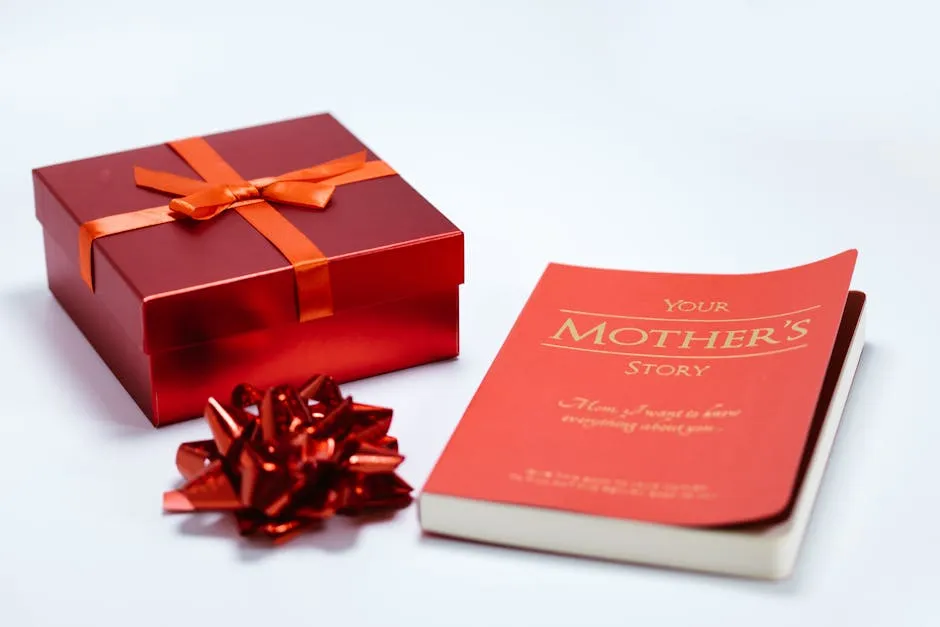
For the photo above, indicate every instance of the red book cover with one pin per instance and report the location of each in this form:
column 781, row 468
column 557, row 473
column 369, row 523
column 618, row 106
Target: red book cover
column 678, row 399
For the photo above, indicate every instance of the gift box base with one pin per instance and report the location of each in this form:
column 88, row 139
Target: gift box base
column 174, row 385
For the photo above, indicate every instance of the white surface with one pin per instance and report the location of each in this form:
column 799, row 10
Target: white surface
column 707, row 136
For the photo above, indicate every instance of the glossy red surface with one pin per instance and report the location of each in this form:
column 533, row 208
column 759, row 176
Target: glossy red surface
column 183, row 310
column 350, row 345
column 175, row 284
column 173, row 386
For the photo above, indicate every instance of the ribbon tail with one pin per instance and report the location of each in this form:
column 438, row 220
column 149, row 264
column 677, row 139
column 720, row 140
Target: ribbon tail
column 167, row 182
column 204, row 204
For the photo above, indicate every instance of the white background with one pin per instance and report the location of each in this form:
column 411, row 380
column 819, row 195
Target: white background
column 675, row 136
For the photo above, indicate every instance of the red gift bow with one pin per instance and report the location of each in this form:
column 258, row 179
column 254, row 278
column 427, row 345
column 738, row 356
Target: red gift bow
column 286, row 459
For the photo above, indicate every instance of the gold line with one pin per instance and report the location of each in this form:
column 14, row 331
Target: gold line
column 603, row 315
column 594, row 350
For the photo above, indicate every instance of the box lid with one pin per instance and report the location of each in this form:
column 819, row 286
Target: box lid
column 188, row 282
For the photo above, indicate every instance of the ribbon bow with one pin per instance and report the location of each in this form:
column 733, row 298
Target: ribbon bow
column 287, row 459
column 203, row 201
column 221, row 189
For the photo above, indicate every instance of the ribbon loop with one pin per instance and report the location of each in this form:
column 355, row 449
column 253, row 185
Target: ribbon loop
column 298, row 193
column 167, row 183
column 327, row 170
column 208, row 203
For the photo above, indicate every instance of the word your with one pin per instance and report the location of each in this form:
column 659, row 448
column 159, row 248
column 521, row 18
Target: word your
column 701, row 306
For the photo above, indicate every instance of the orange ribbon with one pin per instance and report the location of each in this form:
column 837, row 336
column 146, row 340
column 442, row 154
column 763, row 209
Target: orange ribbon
column 223, row 189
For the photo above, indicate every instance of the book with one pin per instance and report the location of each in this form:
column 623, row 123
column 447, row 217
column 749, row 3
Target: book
column 680, row 420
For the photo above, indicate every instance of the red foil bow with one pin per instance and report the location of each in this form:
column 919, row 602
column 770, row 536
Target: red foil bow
column 289, row 458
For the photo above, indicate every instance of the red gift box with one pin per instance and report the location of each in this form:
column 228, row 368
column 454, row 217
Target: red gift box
column 353, row 274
